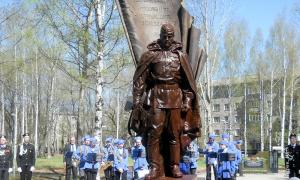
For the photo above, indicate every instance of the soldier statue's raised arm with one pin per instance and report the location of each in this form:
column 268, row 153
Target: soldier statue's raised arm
column 164, row 87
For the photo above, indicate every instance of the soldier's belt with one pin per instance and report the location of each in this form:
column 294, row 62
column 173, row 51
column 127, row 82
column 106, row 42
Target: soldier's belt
column 212, row 155
column 167, row 86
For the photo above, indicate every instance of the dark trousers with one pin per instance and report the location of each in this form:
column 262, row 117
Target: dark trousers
column 4, row 175
column 159, row 119
column 91, row 174
column 294, row 173
column 71, row 170
column 26, row 174
column 119, row 176
column 208, row 171
column 193, row 170
column 240, row 170
column 109, row 173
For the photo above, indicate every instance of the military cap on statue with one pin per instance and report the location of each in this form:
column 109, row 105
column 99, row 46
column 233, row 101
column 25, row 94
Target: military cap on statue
column 293, row 135
column 26, row 134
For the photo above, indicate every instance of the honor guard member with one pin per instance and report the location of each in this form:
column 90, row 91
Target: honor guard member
column 26, row 158
column 71, row 166
column 121, row 161
column 92, row 164
column 108, row 159
column 231, row 147
column 81, row 154
column 6, row 159
column 226, row 165
column 138, row 154
column 292, row 157
column 239, row 158
column 211, row 151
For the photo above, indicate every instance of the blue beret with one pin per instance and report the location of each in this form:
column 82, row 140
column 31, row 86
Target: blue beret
column 224, row 142
column 138, row 138
column 224, row 135
column 109, row 139
column 212, row 136
column 239, row 142
column 93, row 140
column 121, row 141
column 87, row 137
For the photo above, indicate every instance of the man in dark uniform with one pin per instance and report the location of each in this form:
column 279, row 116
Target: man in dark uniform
column 71, row 168
column 26, row 158
column 6, row 159
column 165, row 77
column 292, row 157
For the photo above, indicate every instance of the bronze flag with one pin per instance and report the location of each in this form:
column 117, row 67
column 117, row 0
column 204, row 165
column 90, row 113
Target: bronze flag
column 142, row 20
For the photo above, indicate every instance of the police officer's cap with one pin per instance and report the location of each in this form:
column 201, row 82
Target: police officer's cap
column 2, row 136
column 26, row 134
column 293, row 135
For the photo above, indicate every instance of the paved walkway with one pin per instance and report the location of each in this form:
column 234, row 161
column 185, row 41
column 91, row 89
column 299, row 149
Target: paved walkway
column 278, row 176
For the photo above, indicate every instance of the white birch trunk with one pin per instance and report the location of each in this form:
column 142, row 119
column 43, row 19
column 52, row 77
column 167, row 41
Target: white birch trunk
column 261, row 112
column 245, row 120
column 15, row 115
column 283, row 105
column 2, row 108
column 271, row 112
column 291, row 103
column 36, row 124
column 100, row 13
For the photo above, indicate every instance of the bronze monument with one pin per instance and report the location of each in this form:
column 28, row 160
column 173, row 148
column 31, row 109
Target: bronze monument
column 165, row 104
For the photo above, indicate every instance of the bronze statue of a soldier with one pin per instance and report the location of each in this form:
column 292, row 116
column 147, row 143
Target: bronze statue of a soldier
column 164, row 87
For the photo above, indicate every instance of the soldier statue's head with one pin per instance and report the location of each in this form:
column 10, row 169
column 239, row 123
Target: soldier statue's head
column 166, row 35
column 2, row 139
column 293, row 138
column 26, row 138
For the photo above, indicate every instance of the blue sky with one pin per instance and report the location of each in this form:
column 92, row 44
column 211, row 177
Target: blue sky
column 262, row 13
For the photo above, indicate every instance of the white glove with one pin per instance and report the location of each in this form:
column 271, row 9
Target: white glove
column 9, row 170
column 32, row 168
column 19, row 169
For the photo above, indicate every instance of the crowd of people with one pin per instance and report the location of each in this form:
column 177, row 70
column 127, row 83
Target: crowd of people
column 223, row 159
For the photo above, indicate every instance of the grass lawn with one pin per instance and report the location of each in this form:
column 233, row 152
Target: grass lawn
column 55, row 162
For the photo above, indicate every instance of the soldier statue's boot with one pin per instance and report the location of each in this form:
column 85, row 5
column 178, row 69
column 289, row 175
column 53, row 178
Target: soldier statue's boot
column 174, row 160
column 155, row 161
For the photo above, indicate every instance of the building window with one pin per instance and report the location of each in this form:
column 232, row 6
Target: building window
column 253, row 117
column 236, row 119
column 226, row 119
column 216, row 119
column 226, row 107
column 216, row 107
column 217, row 132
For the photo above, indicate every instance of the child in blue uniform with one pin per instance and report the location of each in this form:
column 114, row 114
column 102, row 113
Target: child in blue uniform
column 81, row 154
column 121, row 161
column 239, row 157
column 226, row 165
column 211, row 149
column 138, row 154
column 92, row 164
column 188, row 164
column 108, row 158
